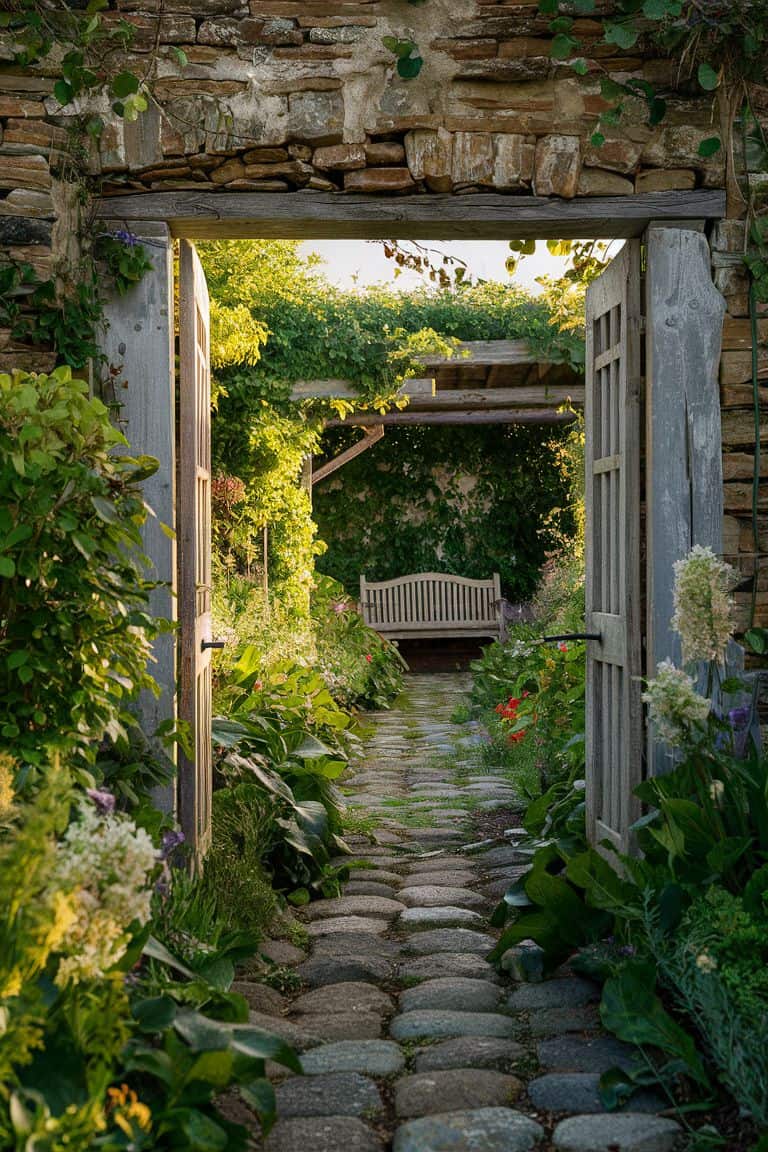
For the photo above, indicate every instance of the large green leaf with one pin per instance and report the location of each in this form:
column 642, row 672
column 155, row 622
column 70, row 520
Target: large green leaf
column 227, row 733
column 631, row 1009
column 158, row 951
column 603, row 887
column 268, row 779
column 155, row 1013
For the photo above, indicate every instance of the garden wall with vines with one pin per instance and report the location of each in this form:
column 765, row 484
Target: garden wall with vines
column 471, row 501
column 383, row 97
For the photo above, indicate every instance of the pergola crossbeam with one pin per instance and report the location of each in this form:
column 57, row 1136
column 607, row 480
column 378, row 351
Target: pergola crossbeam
column 464, row 416
column 487, row 353
column 347, row 390
column 487, row 398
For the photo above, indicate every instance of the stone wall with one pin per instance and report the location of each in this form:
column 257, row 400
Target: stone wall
column 279, row 95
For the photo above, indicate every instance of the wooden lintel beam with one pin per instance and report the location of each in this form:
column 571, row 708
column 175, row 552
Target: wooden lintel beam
column 373, row 433
column 525, row 396
column 491, row 216
column 466, row 416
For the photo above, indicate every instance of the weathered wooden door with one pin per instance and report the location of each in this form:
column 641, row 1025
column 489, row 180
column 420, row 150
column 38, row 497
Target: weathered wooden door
column 614, row 732
column 194, row 540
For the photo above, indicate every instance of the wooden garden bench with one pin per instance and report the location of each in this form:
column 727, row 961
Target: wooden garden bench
column 433, row 605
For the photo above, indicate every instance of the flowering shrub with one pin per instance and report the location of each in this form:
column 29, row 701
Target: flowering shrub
column 703, row 605
column 100, row 1048
column 544, row 699
column 104, row 868
column 675, row 706
column 361, row 668
column 690, row 913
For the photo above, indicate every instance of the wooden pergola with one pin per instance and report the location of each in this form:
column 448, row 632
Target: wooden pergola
column 484, row 382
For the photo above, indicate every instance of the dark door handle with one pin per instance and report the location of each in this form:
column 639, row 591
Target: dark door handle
column 212, row 644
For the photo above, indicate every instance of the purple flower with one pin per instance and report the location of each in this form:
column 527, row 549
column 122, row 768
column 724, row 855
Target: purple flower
column 738, row 718
column 163, row 882
column 338, row 607
column 171, row 840
column 103, row 801
column 627, row 950
column 126, row 237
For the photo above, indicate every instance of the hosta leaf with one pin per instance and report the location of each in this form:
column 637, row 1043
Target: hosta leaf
column 631, row 1009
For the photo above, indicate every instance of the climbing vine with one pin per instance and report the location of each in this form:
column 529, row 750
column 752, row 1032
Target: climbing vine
column 89, row 43
column 85, row 44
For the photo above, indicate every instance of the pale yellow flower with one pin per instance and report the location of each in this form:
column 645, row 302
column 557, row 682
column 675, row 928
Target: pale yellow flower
column 675, row 707
column 704, row 605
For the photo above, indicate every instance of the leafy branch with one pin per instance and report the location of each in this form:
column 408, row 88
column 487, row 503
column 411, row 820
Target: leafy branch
column 93, row 44
column 719, row 45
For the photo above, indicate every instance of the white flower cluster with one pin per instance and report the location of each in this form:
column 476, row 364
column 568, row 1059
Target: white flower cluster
column 703, row 605
column 104, row 865
column 675, row 706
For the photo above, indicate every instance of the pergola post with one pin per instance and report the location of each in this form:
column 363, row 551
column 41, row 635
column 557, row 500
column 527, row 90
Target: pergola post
column 139, row 343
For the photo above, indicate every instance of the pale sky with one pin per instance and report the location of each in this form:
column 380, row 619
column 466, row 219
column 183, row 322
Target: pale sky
column 346, row 259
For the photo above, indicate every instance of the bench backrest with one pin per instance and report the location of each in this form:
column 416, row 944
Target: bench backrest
column 434, row 601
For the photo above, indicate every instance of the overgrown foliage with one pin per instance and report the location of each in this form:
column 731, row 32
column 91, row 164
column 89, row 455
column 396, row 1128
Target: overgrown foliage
column 285, row 740
column 466, row 500
column 717, row 46
column 680, row 925
column 74, row 621
column 110, row 1040
column 273, row 302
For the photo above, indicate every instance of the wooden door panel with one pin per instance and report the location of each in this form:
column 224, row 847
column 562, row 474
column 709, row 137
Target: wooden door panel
column 612, row 498
column 194, row 520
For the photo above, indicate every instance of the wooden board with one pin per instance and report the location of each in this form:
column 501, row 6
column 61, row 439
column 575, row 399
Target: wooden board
column 523, row 397
column 463, row 416
column 683, row 453
column 322, row 215
column 347, row 390
column 139, row 343
column 614, row 727
column 195, row 698
column 485, row 352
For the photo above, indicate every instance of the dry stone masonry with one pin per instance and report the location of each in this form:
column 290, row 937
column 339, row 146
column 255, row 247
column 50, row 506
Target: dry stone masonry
column 409, row 1039
column 286, row 95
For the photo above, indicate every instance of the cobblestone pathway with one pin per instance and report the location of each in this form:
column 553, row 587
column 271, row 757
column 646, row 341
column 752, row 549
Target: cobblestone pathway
column 409, row 1038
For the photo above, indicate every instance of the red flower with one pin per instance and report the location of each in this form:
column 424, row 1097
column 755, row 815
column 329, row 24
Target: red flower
column 368, row 657
column 516, row 737
column 563, row 646
column 257, row 685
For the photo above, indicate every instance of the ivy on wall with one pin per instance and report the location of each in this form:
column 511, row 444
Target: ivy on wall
column 466, row 500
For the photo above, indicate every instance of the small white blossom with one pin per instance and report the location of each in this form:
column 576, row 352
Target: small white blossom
column 675, row 706
column 705, row 962
column 716, row 791
column 105, row 864
column 704, row 605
